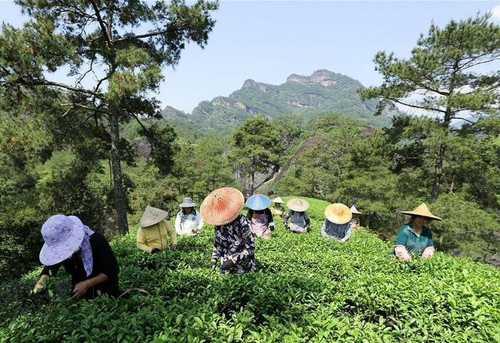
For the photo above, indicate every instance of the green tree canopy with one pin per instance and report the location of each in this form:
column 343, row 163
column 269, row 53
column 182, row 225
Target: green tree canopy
column 257, row 149
column 114, row 52
column 445, row 75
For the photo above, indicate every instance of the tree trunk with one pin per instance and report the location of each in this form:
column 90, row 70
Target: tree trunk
column 118, row 187
column 438, row 168
column 252, row 185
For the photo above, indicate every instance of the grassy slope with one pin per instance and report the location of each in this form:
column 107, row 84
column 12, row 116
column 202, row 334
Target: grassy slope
column 307, row 289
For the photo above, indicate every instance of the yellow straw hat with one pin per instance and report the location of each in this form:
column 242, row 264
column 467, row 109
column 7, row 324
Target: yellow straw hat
column 222, row 206
column 338, row 213
column 297, row 205
column 422, row 211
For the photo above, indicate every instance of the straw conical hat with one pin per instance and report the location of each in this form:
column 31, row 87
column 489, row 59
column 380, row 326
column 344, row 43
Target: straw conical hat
column 278, row 200
column 222, row 206
column 421, row 211
column 338, row 213
column 152, row 216
column 297, row 205
column 354, row 210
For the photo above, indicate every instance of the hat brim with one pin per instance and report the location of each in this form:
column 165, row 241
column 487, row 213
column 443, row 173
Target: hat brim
column 183, row 205
column 52, row 255
column 214, row 214
column 297, row 207
column 152, row 216
column 416, row 214
column 258, row 204
column 338, row 214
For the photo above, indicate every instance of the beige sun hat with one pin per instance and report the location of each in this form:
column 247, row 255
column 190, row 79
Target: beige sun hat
column 152, row 216
column 222, row 206
column 354, row 210
column 338, row 213
column 297, row 205
column 422, row 211
column 278, row 200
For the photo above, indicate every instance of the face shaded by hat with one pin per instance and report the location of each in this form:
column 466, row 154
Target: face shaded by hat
column 222, row 206
column 63, row 236
column 422, row 211
column 152, row 216
column 297, row 205
column 338, row 213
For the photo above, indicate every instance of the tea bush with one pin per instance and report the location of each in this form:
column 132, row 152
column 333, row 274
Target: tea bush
column 307, row 289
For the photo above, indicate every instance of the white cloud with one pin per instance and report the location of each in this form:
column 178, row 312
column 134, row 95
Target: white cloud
column 495, row 12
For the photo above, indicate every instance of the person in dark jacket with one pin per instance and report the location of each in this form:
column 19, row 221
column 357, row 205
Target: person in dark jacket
column 83, row 253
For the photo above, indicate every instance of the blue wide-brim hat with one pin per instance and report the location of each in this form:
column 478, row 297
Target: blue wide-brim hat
column 258, row 202
column 63, row 236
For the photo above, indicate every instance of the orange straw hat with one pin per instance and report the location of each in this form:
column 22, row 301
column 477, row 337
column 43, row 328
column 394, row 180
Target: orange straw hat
column 338, row 213
column 422, row 211
column 222, row 206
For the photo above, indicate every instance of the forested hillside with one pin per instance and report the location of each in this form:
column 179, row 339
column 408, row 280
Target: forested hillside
column 305, row 97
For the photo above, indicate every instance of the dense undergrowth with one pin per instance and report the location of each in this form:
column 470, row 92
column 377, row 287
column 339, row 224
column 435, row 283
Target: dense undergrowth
column 307, row 289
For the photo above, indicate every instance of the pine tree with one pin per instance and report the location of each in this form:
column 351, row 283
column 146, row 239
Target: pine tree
column 444, row 75
column 114, row 52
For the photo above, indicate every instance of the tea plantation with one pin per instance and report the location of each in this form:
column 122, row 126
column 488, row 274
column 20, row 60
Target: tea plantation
column 307, row 289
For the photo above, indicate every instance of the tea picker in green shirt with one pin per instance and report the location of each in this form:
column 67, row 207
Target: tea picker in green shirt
column 415, row 239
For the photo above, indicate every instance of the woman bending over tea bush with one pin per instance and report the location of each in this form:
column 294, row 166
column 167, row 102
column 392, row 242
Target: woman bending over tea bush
column 155, row 234
column 415, row 238
column 234, row 244
column 337, row 224
column 260, row 216
column 297, row 219
column 84, row 254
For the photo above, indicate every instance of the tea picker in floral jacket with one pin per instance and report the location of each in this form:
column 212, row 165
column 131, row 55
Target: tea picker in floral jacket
column 84, row 254
column 234, row 243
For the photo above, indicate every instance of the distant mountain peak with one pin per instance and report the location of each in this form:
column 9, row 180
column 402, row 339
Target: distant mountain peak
column 323, row 77
column 309, row 96
column 249, row 83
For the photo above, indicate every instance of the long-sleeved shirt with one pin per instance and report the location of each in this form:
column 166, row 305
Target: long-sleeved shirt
column 159, row 236
column 234, row 245
column 188, row 224
column 104, row 261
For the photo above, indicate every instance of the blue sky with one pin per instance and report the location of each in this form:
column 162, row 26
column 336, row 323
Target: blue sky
column 268, row 40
